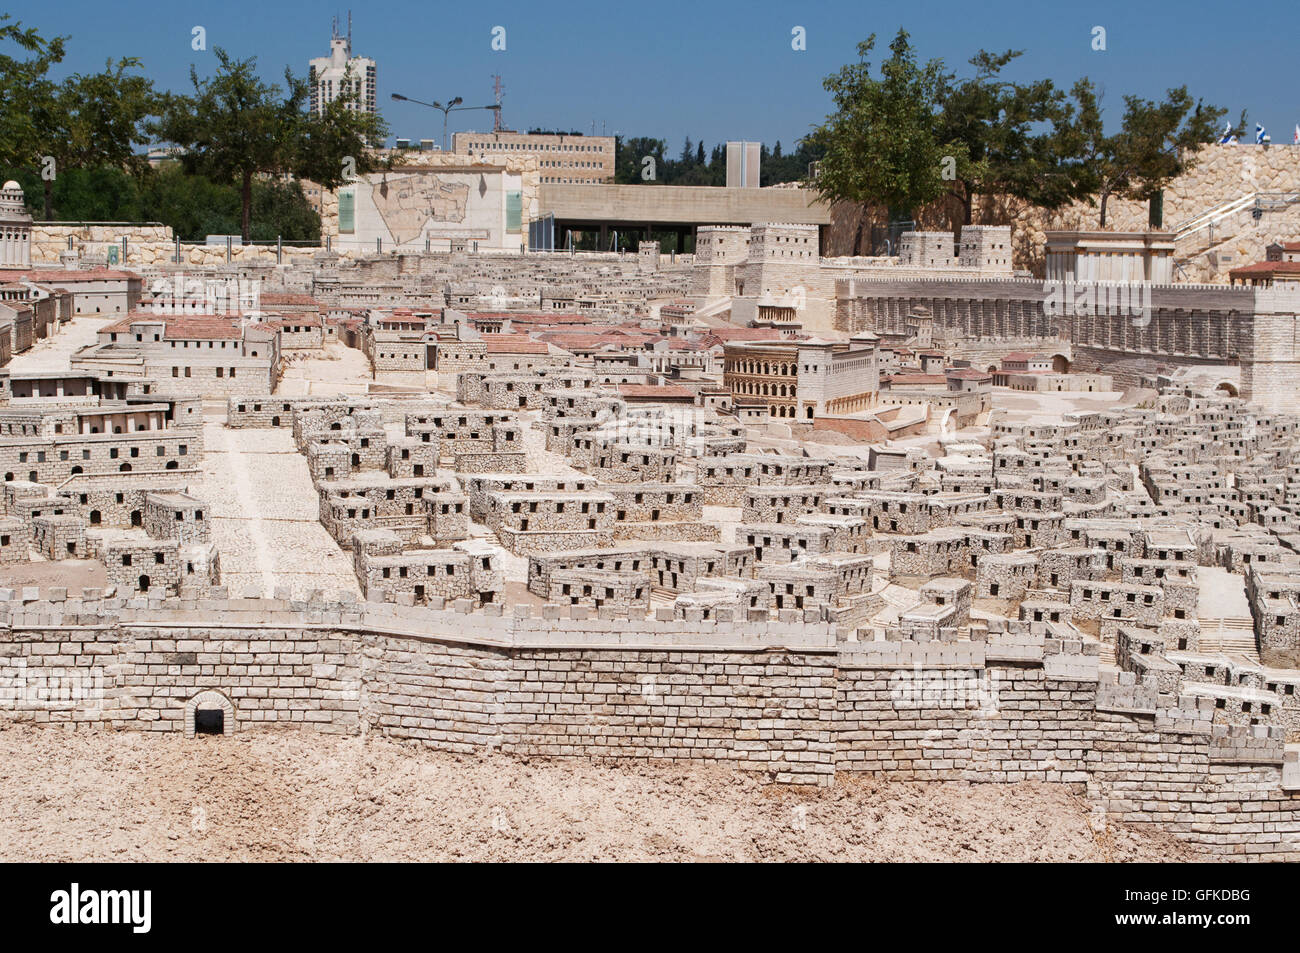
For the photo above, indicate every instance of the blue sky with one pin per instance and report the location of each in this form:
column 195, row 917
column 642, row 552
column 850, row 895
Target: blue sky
column 704, row 69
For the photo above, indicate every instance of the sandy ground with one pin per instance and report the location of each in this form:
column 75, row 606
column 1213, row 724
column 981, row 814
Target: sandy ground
column 265, row 514
column 335, row 369
column 1052, row 405
column 51, row 354
column 1222, row 594
column 289, row 795
column 71, row 574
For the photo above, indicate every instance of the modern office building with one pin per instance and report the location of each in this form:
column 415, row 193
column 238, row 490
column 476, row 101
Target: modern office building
column 561, row 159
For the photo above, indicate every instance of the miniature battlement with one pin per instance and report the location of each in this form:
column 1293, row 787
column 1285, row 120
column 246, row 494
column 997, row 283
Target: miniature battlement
column 1247, row 744
column 1128, row 693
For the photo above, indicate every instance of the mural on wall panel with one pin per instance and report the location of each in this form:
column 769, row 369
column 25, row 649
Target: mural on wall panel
column 445, row 208
column 407, row 204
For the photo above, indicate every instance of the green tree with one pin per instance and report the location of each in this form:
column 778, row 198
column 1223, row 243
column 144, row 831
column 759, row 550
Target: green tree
column 192, row 205
column 789, row 166
column 196, row 207
column 881, row 145
column 236, row 128
column 629, row 156
column 1156, row 142
column 94, row 120
column 1009, row 133
column 336, row 144
column 23, row 91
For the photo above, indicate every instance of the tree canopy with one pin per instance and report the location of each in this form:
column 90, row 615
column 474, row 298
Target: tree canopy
column 1156, row 142
column 697, row 165
column 22, row 84
column 234, row 127
column 96, row 119
column 193, row 205
column 883, row 145
column 914, row 132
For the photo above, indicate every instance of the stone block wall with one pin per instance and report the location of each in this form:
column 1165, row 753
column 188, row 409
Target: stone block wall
column 176, row 516
column 596, row 588
column 59, row 537
column 763, row 504
column 779, row 698
column 138, row 565
column 14, row 541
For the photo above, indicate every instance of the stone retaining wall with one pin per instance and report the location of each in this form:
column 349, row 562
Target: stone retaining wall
column 148, row 245
column 777, row 697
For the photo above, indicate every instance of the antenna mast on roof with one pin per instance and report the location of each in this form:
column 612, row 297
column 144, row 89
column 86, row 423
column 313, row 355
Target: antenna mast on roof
column 497, row 90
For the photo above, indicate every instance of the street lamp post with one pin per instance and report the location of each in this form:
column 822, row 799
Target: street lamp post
column 451, row 107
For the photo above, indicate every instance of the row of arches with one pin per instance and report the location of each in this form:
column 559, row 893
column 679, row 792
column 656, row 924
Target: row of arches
column 34, row 477
column 762, row 389
column 780, row 369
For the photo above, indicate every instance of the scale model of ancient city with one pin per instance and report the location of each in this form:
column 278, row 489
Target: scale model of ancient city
column 997, row 504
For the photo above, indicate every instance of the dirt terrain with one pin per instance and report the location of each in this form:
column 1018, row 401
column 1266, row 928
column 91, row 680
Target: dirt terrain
column 290, row 795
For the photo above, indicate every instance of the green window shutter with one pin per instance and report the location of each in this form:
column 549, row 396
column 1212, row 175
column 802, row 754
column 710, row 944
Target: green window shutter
column 514, row 211
column 347, row 211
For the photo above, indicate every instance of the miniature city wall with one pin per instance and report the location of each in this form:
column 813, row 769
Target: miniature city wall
column 781, row 698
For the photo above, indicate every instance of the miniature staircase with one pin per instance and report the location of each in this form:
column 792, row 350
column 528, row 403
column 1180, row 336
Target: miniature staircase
column 1106, row 654
column 1215, row 228
column 1231, row 635
column 1195, row 235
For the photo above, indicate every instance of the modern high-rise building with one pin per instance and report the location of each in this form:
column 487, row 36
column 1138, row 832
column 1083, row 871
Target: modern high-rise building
column 332, row 76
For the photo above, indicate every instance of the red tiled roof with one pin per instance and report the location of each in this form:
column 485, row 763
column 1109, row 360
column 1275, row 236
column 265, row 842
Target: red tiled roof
column 1267, row 268
column 282, row 298
column 65, row 275
column 280, row 323
column 180, row 327
column 118, row 327
column 587, row 340
column 917, row 379
column 970, row 374
column 746, row 334
column 514, row 344
column 529, row 317
column 190, row 327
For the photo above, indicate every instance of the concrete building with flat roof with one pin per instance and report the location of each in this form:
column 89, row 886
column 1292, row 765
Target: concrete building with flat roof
column 570, row 159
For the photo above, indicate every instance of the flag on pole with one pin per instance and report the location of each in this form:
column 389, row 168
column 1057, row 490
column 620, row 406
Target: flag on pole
column 1261, row 135
column 1227, row 134
column 1296, row 138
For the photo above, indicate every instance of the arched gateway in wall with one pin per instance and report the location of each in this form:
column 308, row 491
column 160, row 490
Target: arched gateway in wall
column 209, row 712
